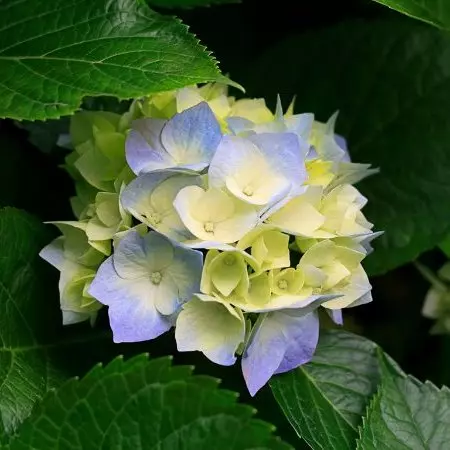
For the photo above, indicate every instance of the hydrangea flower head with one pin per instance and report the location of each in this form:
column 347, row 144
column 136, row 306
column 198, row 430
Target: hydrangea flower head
column 232, row 223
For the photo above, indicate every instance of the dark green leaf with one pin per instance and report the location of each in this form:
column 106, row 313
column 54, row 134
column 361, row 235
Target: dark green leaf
column 55, row 52
column 326, row 399
column 25, row 371
column 406, row 414
column 391, row 82
column 35, row 355
column 435, row 12
column 142, row 404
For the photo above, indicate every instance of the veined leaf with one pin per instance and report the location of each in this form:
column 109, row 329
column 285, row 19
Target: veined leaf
column 326, row 399
column 142, row 404
column 55, row 52
column 33, row 349
column 406, row 414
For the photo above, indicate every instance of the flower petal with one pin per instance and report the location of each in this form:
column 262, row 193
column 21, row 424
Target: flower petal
column 185, row 271
column 300, row 216
column 144, row 151
column 257, row 175
column 150, row 198
column 356, row 288
column 214, row 216
column 211, row 326
column 226, row 271
column 136, row 256
column 285, row 152
column 53, row 253
column 132, row 313
column 192, row 136
column 336, row 316
column 280, row 341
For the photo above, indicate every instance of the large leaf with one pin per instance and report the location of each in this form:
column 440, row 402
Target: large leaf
column 326, row 399
column 142, row 404
column 406, row 414
column 55, row 52
column 391, row 82
column 435, row 12
column 25, row 370
column 35, row 354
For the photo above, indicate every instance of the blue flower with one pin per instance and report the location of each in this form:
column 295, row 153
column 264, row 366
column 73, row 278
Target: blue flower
column 188, row 140
column 144, row 283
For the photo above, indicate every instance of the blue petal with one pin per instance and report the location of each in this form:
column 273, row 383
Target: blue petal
column 280, row 341
column 143, row 149
column 287, row 152
column 192, row 136
column 239, row 125
column 145, row 195
column 303, row 344
column 335, row 315
column 342, row 143
column 132, row 313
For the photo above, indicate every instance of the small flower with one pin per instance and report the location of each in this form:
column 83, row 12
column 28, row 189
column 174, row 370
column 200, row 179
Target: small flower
column 213, row 215
column 269, row 247
column 260, row 170
column 301, row 215
column 77, row 262
column 188, row 140
column 212, row 326
column 144, row 283
column 150, row 199
column 107, row 219
column 225, row 273
column 77, row 247
column 336, row 270
column 337, row 214
column 99, row 144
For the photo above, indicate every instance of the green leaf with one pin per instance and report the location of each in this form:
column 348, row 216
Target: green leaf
column 390, row 80
column 188, row 3
column 25, row 371
column 55, row 52
column 147, row 405
column 326, row 399
column 35, row 354
column 435, row 12
column 406, row 414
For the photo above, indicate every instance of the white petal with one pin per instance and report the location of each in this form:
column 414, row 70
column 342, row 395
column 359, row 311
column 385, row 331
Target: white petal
column 211, row 326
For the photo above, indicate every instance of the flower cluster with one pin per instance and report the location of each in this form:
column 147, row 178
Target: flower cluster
column 219, row 218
